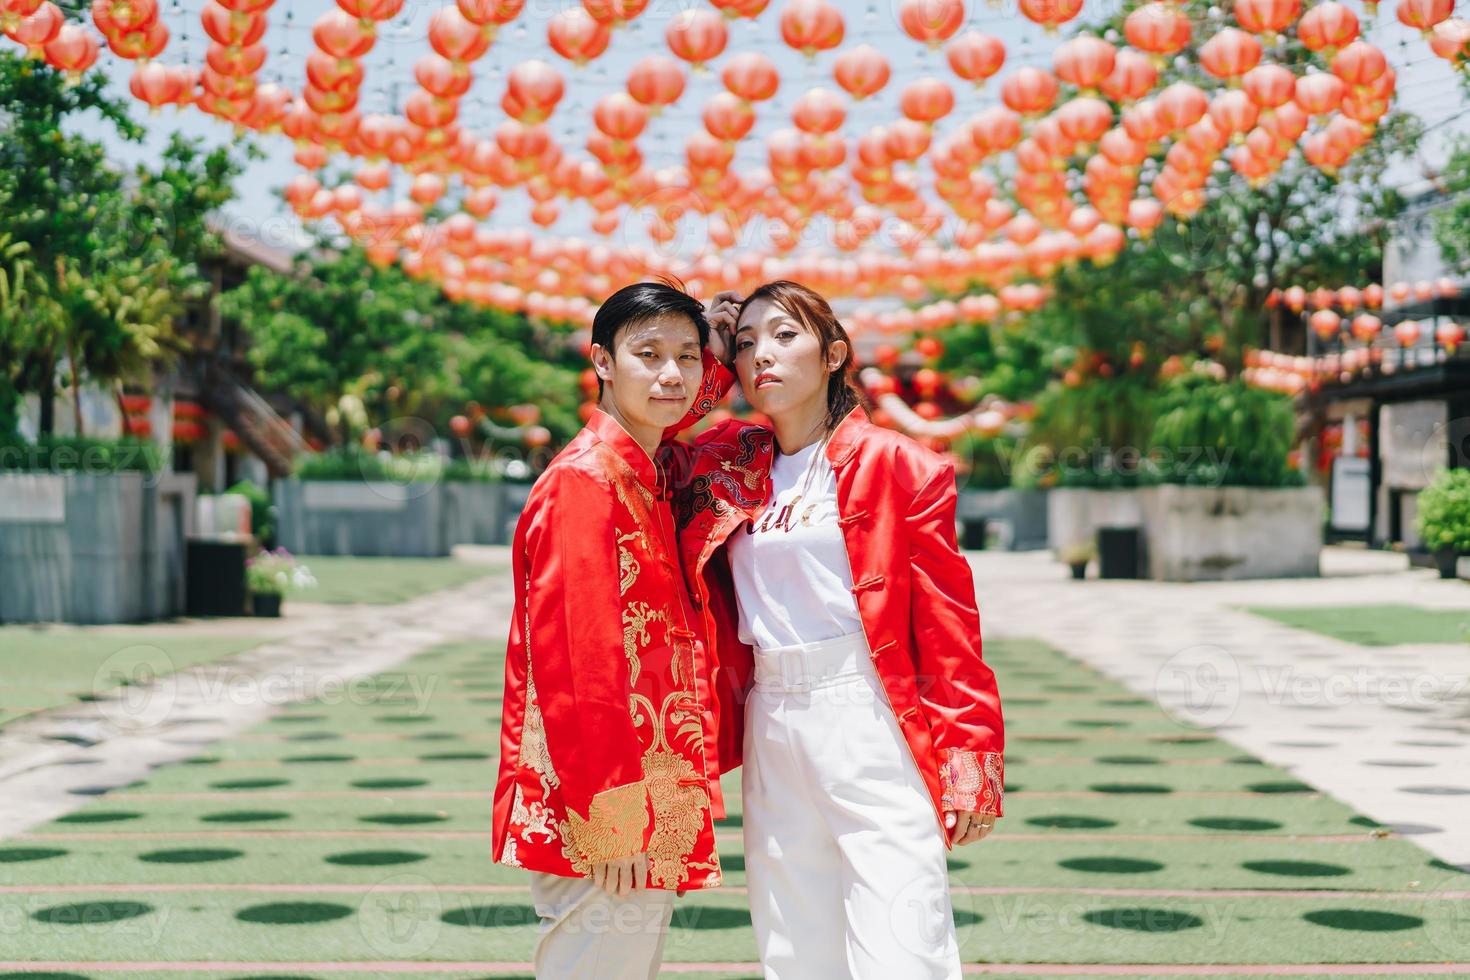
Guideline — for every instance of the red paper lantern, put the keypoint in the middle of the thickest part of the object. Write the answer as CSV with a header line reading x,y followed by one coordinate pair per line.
x,y
931,22
861,71
697,36
576,36
810,26
752,76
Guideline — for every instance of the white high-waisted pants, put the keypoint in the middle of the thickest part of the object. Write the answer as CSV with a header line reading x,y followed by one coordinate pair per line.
x,y
843,854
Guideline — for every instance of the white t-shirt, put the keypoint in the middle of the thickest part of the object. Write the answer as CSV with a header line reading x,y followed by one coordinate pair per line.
x,y
792,579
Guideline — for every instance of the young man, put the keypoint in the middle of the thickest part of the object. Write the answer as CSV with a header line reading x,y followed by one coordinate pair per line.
x,y
609,776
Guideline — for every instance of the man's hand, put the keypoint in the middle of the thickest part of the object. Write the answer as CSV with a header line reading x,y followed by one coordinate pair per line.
x,y
722,312
623,876
967,826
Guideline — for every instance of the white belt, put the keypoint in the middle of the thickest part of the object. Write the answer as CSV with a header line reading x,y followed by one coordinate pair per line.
x,y
806,666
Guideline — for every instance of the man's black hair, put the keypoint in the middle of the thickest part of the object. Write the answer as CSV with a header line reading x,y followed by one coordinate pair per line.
x,y
645,301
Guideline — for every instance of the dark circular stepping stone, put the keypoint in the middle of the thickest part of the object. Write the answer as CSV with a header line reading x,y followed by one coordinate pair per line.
x,y
245,816
1110,865
99,816
1066,821
17,855
499,916
293,913
1130,788
403,818
1297,869
191,855
1144,919
249,783
389,783
90,913
1234,823
1363,920
374,858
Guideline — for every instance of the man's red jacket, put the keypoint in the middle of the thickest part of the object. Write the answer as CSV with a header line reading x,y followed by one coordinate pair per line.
x,y
608,737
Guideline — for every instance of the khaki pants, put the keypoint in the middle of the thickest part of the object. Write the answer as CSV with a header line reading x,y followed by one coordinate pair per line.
x,y
587,934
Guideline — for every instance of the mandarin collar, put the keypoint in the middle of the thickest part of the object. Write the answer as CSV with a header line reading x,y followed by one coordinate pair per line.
x,y
845,437
609,430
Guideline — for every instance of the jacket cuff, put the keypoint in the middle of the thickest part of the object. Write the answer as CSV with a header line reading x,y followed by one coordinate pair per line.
x,y
972,781
615,826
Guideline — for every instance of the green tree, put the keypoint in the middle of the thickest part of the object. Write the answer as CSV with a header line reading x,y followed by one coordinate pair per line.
x,y
341,325
111,258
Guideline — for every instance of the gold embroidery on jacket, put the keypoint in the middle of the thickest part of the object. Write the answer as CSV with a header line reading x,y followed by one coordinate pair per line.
x,y
535,755
678,794
636,617
614,824
628,565
535,819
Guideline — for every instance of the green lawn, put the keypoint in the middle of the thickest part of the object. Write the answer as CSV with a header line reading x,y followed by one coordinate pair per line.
x,y
358,831
1375,626
385,581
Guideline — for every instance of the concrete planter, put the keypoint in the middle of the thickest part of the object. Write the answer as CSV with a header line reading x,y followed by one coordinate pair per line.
x,y
1023,512
85,548
1073,514
358,517
474,513
1225,533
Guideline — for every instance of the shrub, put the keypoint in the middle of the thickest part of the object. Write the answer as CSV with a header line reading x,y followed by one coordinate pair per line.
x,y
1444,512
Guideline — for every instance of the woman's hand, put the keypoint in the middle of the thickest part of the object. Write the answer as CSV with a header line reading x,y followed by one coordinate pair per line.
x,y
722,313
967,826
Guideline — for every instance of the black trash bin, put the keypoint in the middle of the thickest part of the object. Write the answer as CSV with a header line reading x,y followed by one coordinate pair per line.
x,y
972,537
1119,552
215,583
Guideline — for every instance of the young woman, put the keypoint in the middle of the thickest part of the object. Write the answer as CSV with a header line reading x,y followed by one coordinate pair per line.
x,y
821,552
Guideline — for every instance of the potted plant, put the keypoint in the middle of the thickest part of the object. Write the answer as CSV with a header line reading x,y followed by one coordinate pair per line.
x,y
1444,518
271,574
1077,556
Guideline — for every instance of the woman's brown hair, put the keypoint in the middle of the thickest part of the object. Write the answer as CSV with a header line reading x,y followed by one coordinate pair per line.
x,y
809,309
